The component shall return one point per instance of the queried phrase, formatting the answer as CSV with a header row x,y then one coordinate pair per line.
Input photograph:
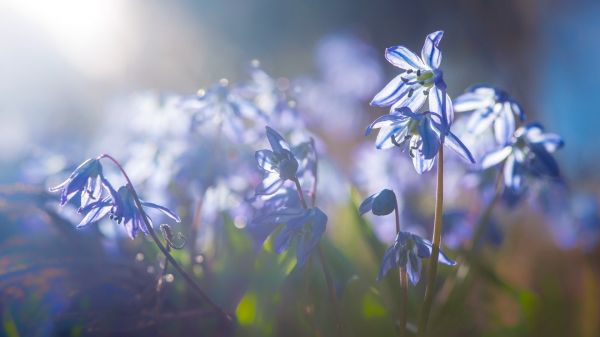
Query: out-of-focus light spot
x,y
169,278
372,306
255,63
201,92
246,310
224,82
199,258
90,34
139,257
239,222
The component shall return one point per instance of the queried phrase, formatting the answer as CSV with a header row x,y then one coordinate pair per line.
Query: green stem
x,y
403,284
326,271
190,281
435,249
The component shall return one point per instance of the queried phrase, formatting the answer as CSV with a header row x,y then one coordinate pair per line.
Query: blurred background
x,y
67,66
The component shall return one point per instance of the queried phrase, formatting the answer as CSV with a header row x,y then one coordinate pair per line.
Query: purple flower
x,y
406,252
86,179
121,207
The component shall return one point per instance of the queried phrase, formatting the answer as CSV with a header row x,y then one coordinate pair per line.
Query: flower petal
x,y
403,58
384,137
430,142
431,54
459,147
392,92
383,121
414,102
504,125
496,157
162,209
420,163
269,185
278,143
366,205
266,160
413,268
438,99
471,101
95,212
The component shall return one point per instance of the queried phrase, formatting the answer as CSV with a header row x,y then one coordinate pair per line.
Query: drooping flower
x,y
283,162
422,80
529,153
406,252
491,108
381,203
301,227
305,230
420,133
121,207
86,179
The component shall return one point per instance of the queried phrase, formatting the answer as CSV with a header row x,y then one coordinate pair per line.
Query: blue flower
x,y
267,214
492,108
406,252
279,164
305,230
420,133
222,107
120,206
302,227
529,153
421,79
381,203
86,179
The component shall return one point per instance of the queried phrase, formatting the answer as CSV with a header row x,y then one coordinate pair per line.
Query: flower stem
x,y
191,282
435,249
403,284
487,213
326,271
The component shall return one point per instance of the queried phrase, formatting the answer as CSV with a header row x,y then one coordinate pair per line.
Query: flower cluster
x,y
302,226
421,134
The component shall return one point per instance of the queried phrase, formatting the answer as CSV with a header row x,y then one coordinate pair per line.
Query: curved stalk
x,y
435,249
190,281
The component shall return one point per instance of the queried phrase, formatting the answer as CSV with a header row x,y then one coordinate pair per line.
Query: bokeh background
x,y
66,67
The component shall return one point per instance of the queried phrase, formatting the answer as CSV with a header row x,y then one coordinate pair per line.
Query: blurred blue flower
x,y
381,203
529,153
406,252
302,227
491,108
305,230
419,133
421,79
86,179
222,107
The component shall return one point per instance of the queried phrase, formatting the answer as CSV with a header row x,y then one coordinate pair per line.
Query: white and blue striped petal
x,y
431,54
